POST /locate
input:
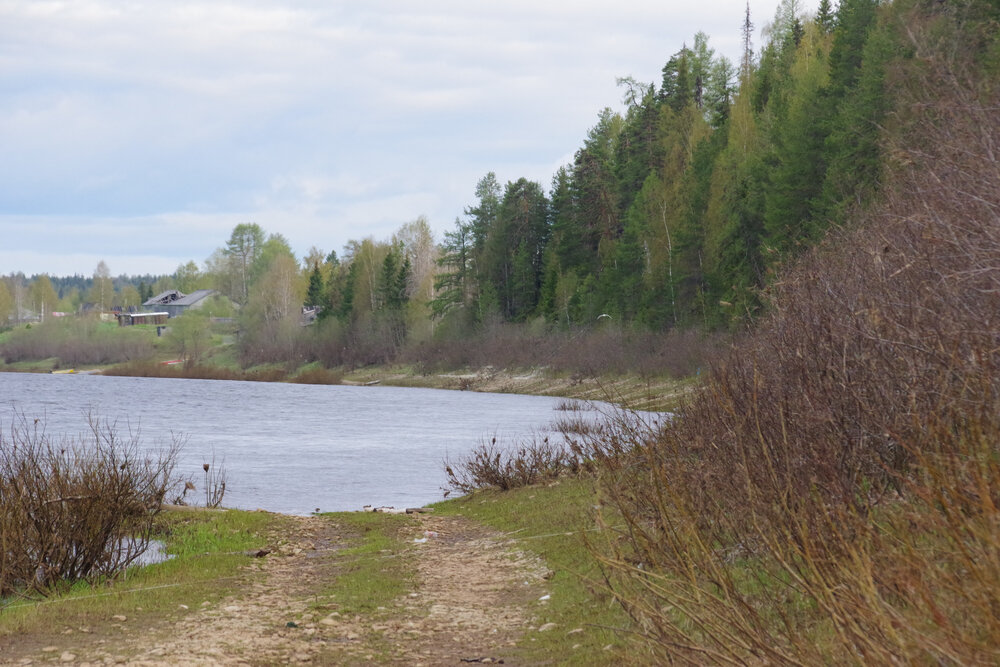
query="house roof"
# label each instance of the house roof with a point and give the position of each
(193, 298)
(175, 297)
(170, 296)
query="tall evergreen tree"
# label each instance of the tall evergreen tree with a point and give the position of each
(798, 167)
(852, 149)
(594, 186)
(453, 283)
(315, 293)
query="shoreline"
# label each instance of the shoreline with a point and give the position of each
(658, 394)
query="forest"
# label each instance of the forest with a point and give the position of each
(676, 213)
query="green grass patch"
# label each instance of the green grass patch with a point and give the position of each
(377, 568)
(551, 521)
(207, 548)
(31, 365)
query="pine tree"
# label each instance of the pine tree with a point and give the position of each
(798, 167)
(852, 149)
(453, 284)
(347, 293)
(854, 20)
(389, 294)
(824, 16)
(316, 290)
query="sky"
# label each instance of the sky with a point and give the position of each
(140, 132)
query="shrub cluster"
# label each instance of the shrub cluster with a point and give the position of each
(493, 465)
(586, 441)
(75, 510)
(831, 494)
(585, 352)
(145, 368)
(76, 341)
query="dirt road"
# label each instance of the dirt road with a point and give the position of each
(471, 599)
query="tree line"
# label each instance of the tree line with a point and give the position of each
(674, 212)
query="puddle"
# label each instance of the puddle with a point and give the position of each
(155, 553)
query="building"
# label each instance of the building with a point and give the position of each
(131, 319)
(174, 302)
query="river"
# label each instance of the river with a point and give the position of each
(287, 447)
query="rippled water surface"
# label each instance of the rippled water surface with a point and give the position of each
(286, 447)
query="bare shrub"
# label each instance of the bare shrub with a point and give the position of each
(209, 372)
(831, 494)
(583, 352)
(76, 341)
(491, 465)
(318, 376)
(215, 483)
(140, 368)
(74, 510)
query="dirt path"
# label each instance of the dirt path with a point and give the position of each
(471, 600)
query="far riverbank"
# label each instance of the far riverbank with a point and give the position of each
(658, 393)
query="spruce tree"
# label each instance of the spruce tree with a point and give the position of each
(315, 291)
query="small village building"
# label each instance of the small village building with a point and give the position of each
(174, 302)
(131, 319)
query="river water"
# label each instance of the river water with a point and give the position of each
(287, 447)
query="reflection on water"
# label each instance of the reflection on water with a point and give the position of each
(155, 553)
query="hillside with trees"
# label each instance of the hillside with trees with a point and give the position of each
(677, 213)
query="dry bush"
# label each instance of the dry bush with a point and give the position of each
(155, 369)
(196, 372)
(75, 510)
(586, 352)
(318, 376)
(583, 441)
(492, 465)
(831, 495)
(215, 482)
(76, 341)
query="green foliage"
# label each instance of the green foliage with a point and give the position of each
(796, 177)
(316, 290)
(453, 284)
(6, 303)
(242, 249)
(852, 149)
(675, 211)
(189, 335)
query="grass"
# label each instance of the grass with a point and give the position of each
(376, 569)
(208, 549)
(551, 521)
(31, 366)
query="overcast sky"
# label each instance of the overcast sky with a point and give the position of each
(141, 132)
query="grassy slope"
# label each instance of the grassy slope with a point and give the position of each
(552, 521)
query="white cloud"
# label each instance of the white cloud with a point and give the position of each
(331, 120)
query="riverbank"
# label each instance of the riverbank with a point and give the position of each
(632, 391)
(657, 393)
(488, 577)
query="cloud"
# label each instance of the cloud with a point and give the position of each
(125, 121)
